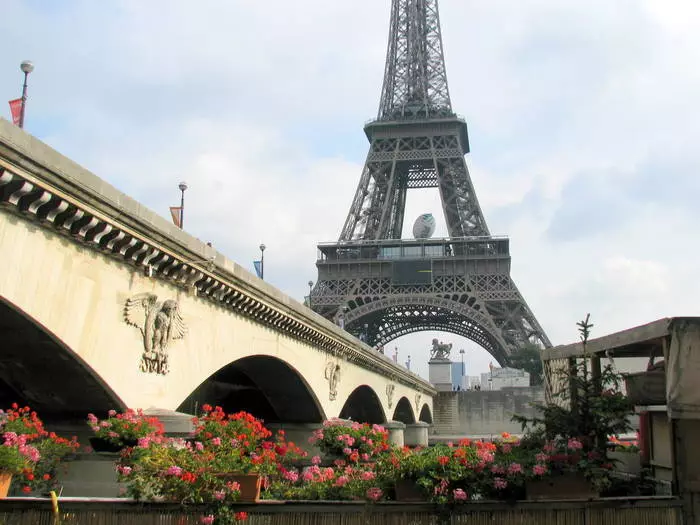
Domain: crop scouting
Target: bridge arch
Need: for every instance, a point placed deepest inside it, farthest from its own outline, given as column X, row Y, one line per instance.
column 425, row 415
column 392, row 317
column 267, row 387
column 404, row 412
column 40, row 370
column 363, row 405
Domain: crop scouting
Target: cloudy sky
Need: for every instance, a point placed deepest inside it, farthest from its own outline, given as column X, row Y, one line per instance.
column 584, row 121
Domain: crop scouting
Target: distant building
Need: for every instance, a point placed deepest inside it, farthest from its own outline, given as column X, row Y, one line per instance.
column 458, row 376
column 500, row 378
column 473, row 382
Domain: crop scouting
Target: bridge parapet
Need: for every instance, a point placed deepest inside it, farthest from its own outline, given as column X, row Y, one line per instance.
column 44, row 186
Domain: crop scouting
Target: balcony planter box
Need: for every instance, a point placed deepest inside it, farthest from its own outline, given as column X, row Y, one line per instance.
column 647, row 388
column 408, row 490
column 566, row 486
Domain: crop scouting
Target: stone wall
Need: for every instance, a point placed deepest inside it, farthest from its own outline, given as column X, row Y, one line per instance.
column 483, row 413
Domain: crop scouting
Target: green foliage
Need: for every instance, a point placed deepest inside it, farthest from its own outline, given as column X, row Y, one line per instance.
column 528, row 358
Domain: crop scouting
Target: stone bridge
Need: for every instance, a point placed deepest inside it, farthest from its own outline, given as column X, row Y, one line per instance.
column 104, row 304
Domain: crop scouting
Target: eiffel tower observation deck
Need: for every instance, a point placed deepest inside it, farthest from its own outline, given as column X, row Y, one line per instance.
column 379, row 286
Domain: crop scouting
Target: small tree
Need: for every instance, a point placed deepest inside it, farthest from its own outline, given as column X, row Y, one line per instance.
column 589, row 411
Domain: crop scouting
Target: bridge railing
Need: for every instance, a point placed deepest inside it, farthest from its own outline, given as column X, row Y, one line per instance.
column 622, row 511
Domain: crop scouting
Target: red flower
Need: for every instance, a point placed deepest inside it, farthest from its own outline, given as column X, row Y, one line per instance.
column 240, row 516
column 26, row 489
column 443, row 460
column 47, row 477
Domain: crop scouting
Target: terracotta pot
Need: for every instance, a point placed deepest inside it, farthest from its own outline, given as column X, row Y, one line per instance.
column 5, row 481
column 250, row 486
column 567, row 486
column 408, row 490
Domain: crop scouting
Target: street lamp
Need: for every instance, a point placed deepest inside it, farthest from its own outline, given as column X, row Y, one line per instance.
column 462, row 353
column 27, row 67
column 311, row 284
column 183, row 187
column 262, row 261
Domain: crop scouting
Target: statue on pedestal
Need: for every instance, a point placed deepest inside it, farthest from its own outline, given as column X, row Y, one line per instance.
column 440, row 350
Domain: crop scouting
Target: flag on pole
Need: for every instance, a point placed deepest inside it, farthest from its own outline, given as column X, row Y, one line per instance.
column 16, row 110
column 258, row 268
column 176, row 213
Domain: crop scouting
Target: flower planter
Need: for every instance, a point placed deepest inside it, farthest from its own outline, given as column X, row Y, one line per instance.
column 250, row 485
column 5, row 481
column 99, row 444
column 565, row 486
column 408, row 490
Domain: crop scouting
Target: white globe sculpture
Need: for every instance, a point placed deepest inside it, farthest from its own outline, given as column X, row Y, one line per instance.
column 424, row 227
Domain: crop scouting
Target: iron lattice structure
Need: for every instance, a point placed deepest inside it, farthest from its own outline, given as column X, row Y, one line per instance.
column 381, row 287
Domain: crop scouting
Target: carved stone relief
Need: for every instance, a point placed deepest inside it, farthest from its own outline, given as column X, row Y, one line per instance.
column 332, row 375
column 390, row 394
column 160, row 324
column 418, row 398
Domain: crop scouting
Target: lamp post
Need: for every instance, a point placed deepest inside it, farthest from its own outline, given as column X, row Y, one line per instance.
column 262, row 261
column 311, row 284
column 183, row 187
column 462, row 354
column 27, row 67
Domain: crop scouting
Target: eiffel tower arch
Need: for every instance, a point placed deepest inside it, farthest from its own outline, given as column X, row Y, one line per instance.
column 380, row 286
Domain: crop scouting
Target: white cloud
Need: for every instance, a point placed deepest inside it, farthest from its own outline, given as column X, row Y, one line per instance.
column 582, row 118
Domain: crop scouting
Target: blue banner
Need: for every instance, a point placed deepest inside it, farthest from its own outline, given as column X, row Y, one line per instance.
column 258, row 268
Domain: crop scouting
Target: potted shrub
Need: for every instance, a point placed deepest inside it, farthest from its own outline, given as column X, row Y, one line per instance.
column 122, row 430
column 29, row 452
column 350, row 440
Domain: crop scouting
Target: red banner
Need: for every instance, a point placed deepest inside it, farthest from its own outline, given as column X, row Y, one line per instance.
column 16, row 110
column 176, row 213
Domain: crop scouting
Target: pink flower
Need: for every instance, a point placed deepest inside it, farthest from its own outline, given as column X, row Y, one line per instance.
column 291, row 475
column 124, row 470
column 234, row 486
column 92, row 419
column 207, row 520
column 539, row 470
column 111, row 413
column 507, row 448
column 316, row 460
column 367, row 476
column 541, row 458
column 347, row 451
column 575, row 444
column 105, row 424
column 173, row 471
column 459, row 495
column 341, row 481
column 497, row 469
column 374, row 493
column 216, row 441
column 219, row 495
column 365, row 457
column 307, row 475
column 500, row 483
column 198, row 445
column 515, row 468
column 144, row 442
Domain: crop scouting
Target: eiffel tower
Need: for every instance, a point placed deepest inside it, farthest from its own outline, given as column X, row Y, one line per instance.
column 379, row 286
